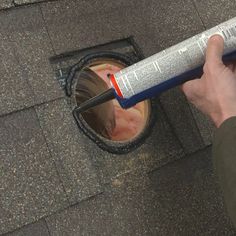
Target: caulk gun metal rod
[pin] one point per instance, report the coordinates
(97, 100)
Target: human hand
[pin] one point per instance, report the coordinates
(215, 92)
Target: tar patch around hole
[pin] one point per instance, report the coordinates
(112, 128)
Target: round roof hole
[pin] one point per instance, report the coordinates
(111, 127)
(109, 120)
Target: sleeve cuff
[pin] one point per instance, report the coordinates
(224, 161)
(224, 128)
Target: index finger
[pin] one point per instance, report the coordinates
(215, 50)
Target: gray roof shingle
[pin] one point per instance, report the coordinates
(47, 164)
(4, 4)
(26, 38)
(29, 183)
(38, 228)
(181, 198)
(69, 150)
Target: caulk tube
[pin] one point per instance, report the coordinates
(170, 67)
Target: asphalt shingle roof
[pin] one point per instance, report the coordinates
(178, 199)
(58, 182)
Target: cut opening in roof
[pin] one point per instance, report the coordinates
(109, 120)
(113, 129)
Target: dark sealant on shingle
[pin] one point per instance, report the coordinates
(123, 51)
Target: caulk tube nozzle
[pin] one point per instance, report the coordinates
(95, 101)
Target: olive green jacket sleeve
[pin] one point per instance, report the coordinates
(224, 159)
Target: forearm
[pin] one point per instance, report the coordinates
(224, 158)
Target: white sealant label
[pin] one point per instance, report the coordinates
(173, 61)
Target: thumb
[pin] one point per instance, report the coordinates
(192, 89)
(215, 50)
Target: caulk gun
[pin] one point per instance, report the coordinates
(164, 70)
